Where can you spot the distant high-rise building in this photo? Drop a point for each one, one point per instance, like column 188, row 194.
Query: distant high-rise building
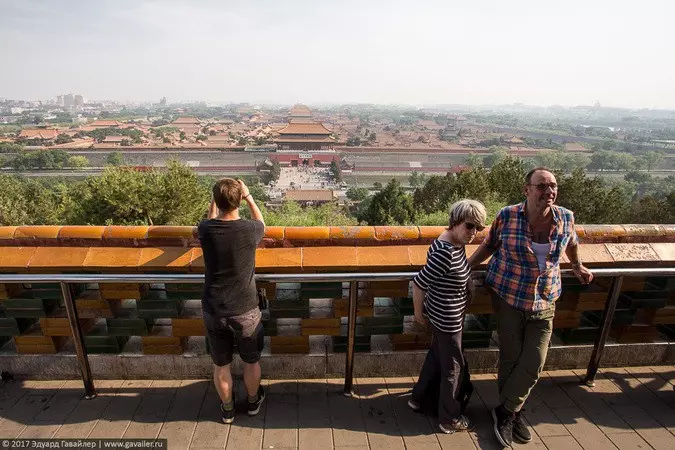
column 59, row 100
column 79, row 100
column 162, row 102
column 68, row 101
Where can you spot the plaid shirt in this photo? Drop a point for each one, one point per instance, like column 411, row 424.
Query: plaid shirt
column 513, row 272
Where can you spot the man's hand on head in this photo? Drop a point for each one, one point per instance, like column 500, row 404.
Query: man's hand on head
column 244, row 189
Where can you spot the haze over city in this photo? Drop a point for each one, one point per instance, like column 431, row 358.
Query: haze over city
column 425, row 52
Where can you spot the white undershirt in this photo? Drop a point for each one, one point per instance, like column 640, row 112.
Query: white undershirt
column 541, row 252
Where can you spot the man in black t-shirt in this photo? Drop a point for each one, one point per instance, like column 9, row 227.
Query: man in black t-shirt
column 230, row 301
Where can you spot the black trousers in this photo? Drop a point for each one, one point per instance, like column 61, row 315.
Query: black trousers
column 445, row 361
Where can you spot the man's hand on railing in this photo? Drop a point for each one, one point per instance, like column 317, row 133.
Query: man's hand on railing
column 582, row 273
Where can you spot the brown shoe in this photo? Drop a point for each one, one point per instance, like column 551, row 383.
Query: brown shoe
column 461, row 424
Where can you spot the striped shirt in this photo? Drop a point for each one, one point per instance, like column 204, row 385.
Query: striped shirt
column 444, row 279
column 513, row 271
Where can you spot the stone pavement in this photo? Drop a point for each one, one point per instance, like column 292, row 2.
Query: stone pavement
column 629, row 408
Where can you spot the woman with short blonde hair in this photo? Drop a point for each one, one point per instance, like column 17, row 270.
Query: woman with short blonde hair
column 440, row 297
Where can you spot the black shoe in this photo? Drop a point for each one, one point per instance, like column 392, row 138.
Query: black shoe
column 520, row 431
column 254, row 408
column 228, row 415
column 503, row 425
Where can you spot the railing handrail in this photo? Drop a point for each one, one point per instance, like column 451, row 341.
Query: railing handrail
column 65, row 280
column 281, row 278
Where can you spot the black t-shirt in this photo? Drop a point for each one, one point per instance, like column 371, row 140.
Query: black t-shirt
column 229, row 258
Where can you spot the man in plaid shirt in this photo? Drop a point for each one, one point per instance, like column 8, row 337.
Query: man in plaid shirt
column 526, row 242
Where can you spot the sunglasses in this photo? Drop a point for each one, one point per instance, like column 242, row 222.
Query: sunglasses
column 542, row 186
column 471, row 226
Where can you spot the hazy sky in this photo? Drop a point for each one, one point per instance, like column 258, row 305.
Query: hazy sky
column 618, row 52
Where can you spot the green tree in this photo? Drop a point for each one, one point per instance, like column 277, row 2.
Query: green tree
column 507, row 178
column 77, row 162
column 114, row 159
column 357, row 193
column 354, row 141
column 496, row 155
column 590, row 199
column 335, row 171
column 473, row 160
column 390, row 206
column 9, row 147
column 609, row 160
column 653, row 209
column 436, row 194
column 652, row 159
column 63, row 139
column 123, row 196
column 273, row 173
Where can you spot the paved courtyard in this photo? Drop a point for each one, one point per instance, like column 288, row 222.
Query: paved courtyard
column 629, row 408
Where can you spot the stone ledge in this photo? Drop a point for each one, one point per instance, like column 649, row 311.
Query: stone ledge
column 186, row 236
column 96, row 259
column 377, row 364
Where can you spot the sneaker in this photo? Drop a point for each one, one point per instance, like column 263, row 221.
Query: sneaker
column 414, row 405
column 520, row 430
column 228, row 415
column 503, row 425
column 254, row 408
column 461, row 424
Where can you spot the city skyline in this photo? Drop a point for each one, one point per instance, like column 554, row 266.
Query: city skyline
column 399, row 54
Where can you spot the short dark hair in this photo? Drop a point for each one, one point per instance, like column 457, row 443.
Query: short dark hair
column 227, row 194
column 531, row 173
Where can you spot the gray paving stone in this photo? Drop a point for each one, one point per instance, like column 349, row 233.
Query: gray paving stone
column 658, row 439
column 60, row 406
column 460, row 441
column 81, row 421
column 116, row 417
column 629, row 441
column 40, row 430
column 349, row 429
column 246, row 433
column 561, row 443
column 586, row 433
column 281, row 425
column 544, row 421
column 596, row 409
column 210, row 431
column 311, row 438
column 142, row 430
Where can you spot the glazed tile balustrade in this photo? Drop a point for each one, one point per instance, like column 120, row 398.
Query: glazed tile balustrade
column 306, row 316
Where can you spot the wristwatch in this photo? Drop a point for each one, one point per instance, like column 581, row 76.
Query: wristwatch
column 577, row 265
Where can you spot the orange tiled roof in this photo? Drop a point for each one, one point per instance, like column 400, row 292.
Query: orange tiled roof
column 115, row 138
column 105, row 123
column 300, row 110
column 293, row 140
column 305, row 128
column 186, row 121
column 40, row 133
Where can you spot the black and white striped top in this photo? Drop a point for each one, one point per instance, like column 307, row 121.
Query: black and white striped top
column 444, row 279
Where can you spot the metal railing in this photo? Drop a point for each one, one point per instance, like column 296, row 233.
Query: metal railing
column 66, row 280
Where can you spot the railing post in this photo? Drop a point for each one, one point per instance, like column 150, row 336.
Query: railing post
column 351, row 338
column 605, row 325
column 78, row 339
